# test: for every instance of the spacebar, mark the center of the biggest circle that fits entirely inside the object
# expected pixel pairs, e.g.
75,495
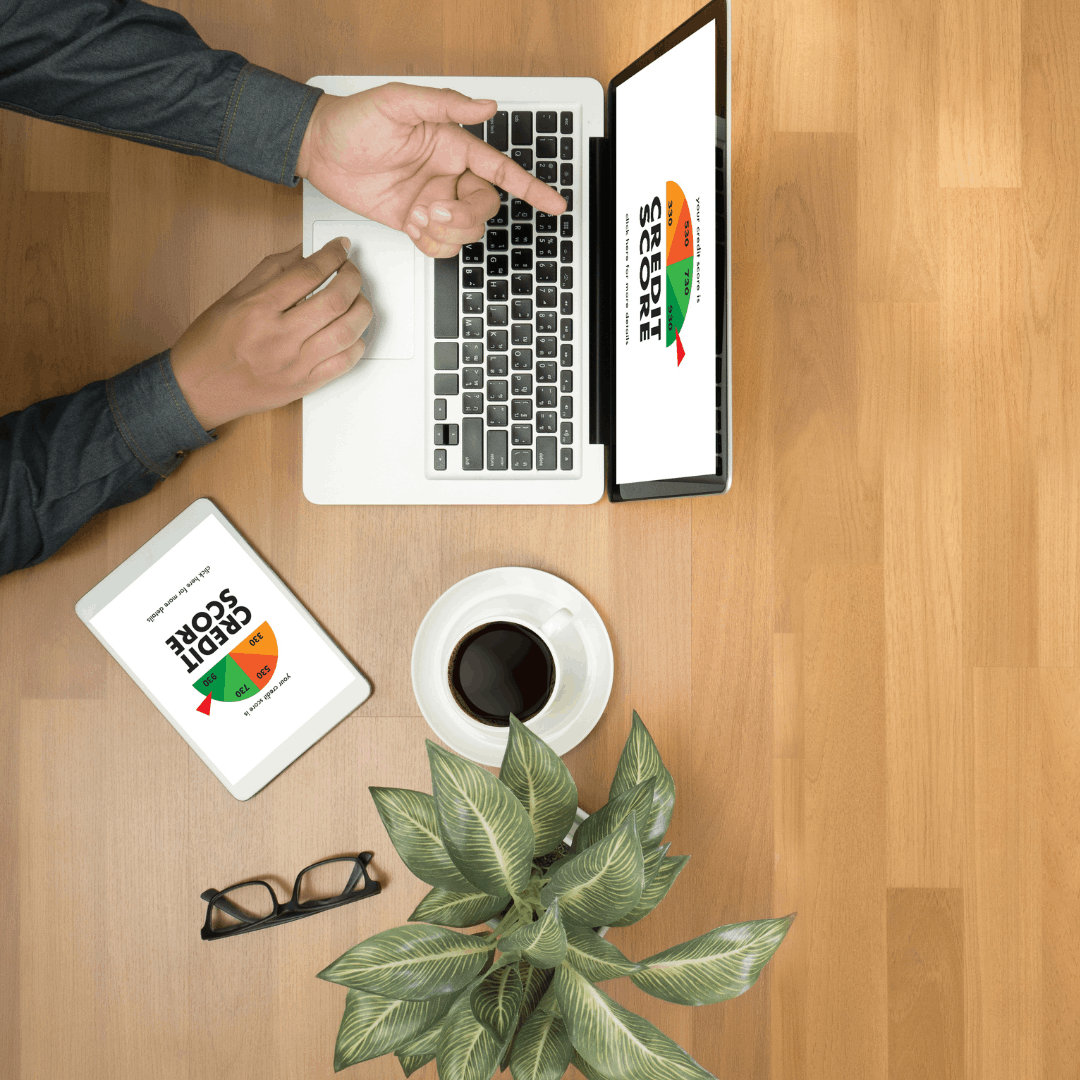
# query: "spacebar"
446,297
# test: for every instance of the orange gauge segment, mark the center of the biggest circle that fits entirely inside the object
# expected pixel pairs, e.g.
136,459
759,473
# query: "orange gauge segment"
260,640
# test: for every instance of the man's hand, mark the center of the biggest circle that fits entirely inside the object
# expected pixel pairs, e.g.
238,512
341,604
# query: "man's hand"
263,345
397,155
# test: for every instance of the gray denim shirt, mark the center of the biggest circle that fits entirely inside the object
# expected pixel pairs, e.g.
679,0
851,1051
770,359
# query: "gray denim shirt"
124,68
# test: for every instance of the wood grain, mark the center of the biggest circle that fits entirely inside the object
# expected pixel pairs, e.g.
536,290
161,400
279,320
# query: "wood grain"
861,665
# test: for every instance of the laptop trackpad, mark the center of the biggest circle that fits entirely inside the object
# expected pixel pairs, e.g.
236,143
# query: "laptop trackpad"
386,261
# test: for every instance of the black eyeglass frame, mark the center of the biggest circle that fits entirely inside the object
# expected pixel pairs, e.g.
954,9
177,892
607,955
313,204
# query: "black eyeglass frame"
292,909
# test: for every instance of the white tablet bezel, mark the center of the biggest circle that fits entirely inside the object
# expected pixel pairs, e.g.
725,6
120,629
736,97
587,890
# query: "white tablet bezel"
331,714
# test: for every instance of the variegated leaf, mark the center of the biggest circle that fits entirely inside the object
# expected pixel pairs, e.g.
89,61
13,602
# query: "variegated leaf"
496,1000
534,983
457,909
639,761
653,855
670,868
373,1025
616,1041
715,966
541,943
467,1050
409,817
596,958
484,827
411,1062
542,784
542,1049
590,1072
603,882
411,962
637,801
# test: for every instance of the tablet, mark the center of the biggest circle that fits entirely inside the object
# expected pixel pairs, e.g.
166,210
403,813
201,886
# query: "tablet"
223,649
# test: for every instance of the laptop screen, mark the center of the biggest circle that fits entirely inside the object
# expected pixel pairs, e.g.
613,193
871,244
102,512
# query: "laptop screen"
666,274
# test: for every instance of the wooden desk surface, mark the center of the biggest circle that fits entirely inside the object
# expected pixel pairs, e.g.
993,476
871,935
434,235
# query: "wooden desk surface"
860,665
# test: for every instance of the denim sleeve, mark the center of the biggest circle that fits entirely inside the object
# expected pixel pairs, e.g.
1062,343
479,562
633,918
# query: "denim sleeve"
125,68
66,459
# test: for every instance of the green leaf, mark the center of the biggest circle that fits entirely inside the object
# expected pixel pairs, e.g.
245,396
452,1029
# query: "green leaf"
411,1062
637,801
467,1049
534,984
542,943
639,761
670,868
411,962
485,829
616,1041
594,957
496,1000
542,784
372,1025
409,817
456,908
653,855
714,967
416,1053
542,1049
590,1072
603,882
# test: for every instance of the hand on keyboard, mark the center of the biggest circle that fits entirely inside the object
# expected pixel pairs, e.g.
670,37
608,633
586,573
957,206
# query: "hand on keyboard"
397,155
263,344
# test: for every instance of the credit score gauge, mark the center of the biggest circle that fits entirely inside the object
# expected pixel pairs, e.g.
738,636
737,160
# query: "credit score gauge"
680,264
245,671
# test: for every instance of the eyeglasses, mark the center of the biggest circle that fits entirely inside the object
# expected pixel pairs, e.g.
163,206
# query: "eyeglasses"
253,905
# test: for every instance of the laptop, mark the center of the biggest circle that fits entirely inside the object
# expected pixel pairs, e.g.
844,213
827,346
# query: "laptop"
559,355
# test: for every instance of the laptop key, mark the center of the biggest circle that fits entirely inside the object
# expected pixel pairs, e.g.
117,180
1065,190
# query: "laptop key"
472,352
520,210
497,266
472,328
566,355
547,147
547,171
500,217
446,297
440,408
497,131
566,381
521,384
521,128
497,390
545,223
546,347
547,453
446,385
566,303
472,253
546,421
521,284
566,277
472,277
472,403
566,149
446,356
523,156
566,225
446,434
546,271
472,378
497,290
546,322
498,315
496,364
566,123
440,460
521,359
566,174
566,458
568,195
521,334
498,240
521,434
472,303
522,409
546,296
566,330
566,434
521,232
547,247
472,443
496,415
520,459
547,398
521,259
475,129
496,451
566,251
547,121
566,408
546,371
496,341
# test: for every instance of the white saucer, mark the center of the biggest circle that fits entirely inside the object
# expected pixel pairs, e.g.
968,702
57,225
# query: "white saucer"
580,644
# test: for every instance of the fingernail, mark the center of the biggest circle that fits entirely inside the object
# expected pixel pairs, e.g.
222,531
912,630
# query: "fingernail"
413,231
440,213
345,242
419,216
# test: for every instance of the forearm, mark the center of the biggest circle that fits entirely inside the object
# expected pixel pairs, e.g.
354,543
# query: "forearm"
66,459
125,68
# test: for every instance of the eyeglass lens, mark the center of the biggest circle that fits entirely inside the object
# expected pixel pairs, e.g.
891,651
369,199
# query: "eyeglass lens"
328,880
242,905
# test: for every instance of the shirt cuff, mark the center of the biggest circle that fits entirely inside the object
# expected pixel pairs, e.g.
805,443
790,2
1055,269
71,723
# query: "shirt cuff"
153,415
265,124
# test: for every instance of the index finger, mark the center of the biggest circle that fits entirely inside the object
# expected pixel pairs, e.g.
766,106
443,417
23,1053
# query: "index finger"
486,161
304,277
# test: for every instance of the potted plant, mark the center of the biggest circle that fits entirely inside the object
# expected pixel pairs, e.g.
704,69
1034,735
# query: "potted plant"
524,994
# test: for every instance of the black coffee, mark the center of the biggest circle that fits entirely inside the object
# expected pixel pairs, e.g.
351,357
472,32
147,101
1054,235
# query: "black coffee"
501,668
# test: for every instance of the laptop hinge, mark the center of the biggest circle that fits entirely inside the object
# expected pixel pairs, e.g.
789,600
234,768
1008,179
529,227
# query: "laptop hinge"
601,283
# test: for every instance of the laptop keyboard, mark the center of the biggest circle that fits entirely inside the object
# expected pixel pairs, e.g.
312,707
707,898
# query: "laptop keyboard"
505,379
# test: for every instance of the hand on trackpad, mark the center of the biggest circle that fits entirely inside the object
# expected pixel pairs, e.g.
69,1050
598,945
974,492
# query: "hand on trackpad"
385,259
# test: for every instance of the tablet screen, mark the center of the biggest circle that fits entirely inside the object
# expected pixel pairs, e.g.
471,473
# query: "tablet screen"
665,274
223,649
